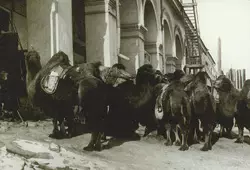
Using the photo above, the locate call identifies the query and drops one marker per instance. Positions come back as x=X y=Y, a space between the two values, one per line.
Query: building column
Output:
x=101 y=31
x=50 y=27
x=132 y=46
x=170 y=63
x=151 y=48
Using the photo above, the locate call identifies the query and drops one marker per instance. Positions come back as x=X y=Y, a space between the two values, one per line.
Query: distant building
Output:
x=209 y=63
x=237 y=76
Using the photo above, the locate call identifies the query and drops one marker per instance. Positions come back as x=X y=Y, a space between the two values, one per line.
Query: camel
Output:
x=58 y=87
x=133 y=102
x=227 y=105
x=243 y=111
x=203 y=108
x=173 y=108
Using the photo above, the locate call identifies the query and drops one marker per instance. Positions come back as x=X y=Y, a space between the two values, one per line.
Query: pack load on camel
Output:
x=49 y=83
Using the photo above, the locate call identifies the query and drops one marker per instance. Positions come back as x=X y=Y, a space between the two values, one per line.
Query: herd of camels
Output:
x=115 y=103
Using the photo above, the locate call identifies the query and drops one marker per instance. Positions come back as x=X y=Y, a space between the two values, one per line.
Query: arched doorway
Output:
x=150 y=36
x=179 y=53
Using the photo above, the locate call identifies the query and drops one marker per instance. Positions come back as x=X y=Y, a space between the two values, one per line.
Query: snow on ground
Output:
x=35 y=150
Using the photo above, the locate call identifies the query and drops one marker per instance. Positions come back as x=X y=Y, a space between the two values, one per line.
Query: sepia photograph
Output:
x=124 y=84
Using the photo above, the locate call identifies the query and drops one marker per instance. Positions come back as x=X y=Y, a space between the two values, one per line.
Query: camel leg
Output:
x=240 y=138
x=71 y=128
x=195 y=140
x=229 y=135
x=55 y=131
x=148 y=130
x=177 y=138
x=168 y=129
x=92 y=142
x=208 y=135
x=104 y=137
x=221 y=130
x=195 y=129
x=71 y=125
x=98 y=144
x=184 y=125
x=62 y=128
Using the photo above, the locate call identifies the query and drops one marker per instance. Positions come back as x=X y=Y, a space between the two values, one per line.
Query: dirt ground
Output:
x=31 y=147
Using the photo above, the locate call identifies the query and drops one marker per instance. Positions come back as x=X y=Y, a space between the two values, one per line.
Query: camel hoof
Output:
x=146 y=133
x=104 y=138
x=184 y=148
x=239 y=141
x=99 y=147
x=168 y=143
x=206 y=148
x=196 y=141
x=178 y=143
x=88 y=148
x=55 y=135
x=107 y=146
x=229 y=136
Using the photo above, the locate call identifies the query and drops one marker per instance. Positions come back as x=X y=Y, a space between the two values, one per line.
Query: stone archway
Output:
x=150 y=36
x=167 y=39
x=179 y=53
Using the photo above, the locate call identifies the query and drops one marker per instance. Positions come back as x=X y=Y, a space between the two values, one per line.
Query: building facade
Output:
x=209 y=63
x=131 y=32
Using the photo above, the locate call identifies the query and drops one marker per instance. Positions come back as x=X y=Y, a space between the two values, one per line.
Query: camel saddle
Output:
x=49 y=82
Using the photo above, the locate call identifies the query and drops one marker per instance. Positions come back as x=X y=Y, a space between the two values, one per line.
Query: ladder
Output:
x=192 y=33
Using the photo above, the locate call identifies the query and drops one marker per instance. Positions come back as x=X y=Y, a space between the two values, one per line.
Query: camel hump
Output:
x=50 y=81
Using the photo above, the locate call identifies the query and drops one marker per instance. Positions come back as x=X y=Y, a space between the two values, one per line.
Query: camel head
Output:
x=160 y=77
x=191 y=81
x=146 y=74
x=176 y=75
x=245 y=92
x=186 y=79
x=59 y=57
x=33 y=65
x=222 y=83
x=32 y=60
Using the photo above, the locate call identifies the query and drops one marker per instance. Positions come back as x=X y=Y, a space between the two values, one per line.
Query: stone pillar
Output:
x=170 y=63
x=132 y=46
x=65 y=32
x=50 y=27
x=101 y=31
x=151 y=48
